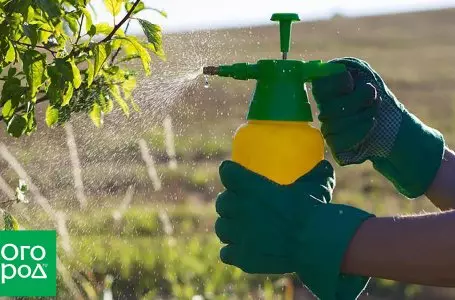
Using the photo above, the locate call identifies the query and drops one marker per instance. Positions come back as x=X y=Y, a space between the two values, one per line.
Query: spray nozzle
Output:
x=242 y=71
x=210 y=70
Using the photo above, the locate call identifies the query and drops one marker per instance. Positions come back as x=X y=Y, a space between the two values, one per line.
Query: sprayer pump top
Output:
x=285 y=20
x=280 y=93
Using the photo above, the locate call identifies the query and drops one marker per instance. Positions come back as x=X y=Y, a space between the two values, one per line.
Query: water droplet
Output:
x=206 y=85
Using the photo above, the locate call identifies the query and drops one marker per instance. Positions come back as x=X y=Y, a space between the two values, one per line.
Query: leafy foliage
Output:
x=50 y=50
x=10 y=222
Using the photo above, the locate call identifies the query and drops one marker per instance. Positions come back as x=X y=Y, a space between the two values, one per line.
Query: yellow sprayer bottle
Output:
x=278 y=140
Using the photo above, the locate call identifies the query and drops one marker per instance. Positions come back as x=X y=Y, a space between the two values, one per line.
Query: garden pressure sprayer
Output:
x=278 y=141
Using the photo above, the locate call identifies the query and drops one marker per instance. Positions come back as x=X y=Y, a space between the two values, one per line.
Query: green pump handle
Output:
x=285 y=20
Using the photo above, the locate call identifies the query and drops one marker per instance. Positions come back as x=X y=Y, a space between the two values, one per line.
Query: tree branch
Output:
x=125 y=18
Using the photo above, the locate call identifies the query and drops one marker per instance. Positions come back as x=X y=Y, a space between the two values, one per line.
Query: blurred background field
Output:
x=147 y=243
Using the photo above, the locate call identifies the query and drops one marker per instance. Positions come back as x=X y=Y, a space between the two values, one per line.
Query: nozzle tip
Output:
x=210 y=70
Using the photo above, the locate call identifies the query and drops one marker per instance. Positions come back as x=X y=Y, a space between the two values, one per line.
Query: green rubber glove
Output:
x=363 y=120
x=275 y=229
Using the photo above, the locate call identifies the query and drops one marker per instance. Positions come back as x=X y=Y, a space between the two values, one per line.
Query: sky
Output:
x=187 y=15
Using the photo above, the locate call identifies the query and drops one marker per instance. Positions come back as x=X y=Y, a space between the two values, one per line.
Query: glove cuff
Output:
x=332 y=228
x=415 y=157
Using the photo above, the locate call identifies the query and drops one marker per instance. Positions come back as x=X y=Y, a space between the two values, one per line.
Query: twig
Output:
x=119 y=48
x=80 y=30
x=36 y=46
x=126 y=17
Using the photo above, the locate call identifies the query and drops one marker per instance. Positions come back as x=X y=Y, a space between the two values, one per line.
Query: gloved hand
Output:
x=275 y=229
x=363 y=120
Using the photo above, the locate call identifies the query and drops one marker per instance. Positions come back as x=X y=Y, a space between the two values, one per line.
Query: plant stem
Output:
x=36 y=46
x=80 y=30
x=78 y=36
x=126 y=17
x=118 y=50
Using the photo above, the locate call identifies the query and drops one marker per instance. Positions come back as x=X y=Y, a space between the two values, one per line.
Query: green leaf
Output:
x=63 y=70
x=30 y=13
x=90 y=72
x=12 y=89
x=55 y=94
x=88 y=19
x=128 y=86
x=11 y=72
x=51 y=115
x=161 y=12
x=31 y=121
x=106 y=104
x=11 y=223
x=135 y=106
x=72 y=23
x=115 y=93
x=154 y=36
x=51 y=7
x=102 y=51
x=33 y=66
x=68 y=94
x=45 y=32
x=137 y=48
x=106 y=29
x=113 y=6
x=95 y=115
x=103 y=28
x=16 y=126
x=10 y=53
x=31 y=31
x=92 y=31
x=76 y=74
x=138 y=8
x=9 y=108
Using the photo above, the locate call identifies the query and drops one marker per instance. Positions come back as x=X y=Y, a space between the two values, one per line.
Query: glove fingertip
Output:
x=229 y=170
x=226 y=164
x=227 y=254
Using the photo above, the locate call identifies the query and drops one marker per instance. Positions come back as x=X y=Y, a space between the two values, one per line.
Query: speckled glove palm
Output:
x=275 y=229
x=363 y=120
